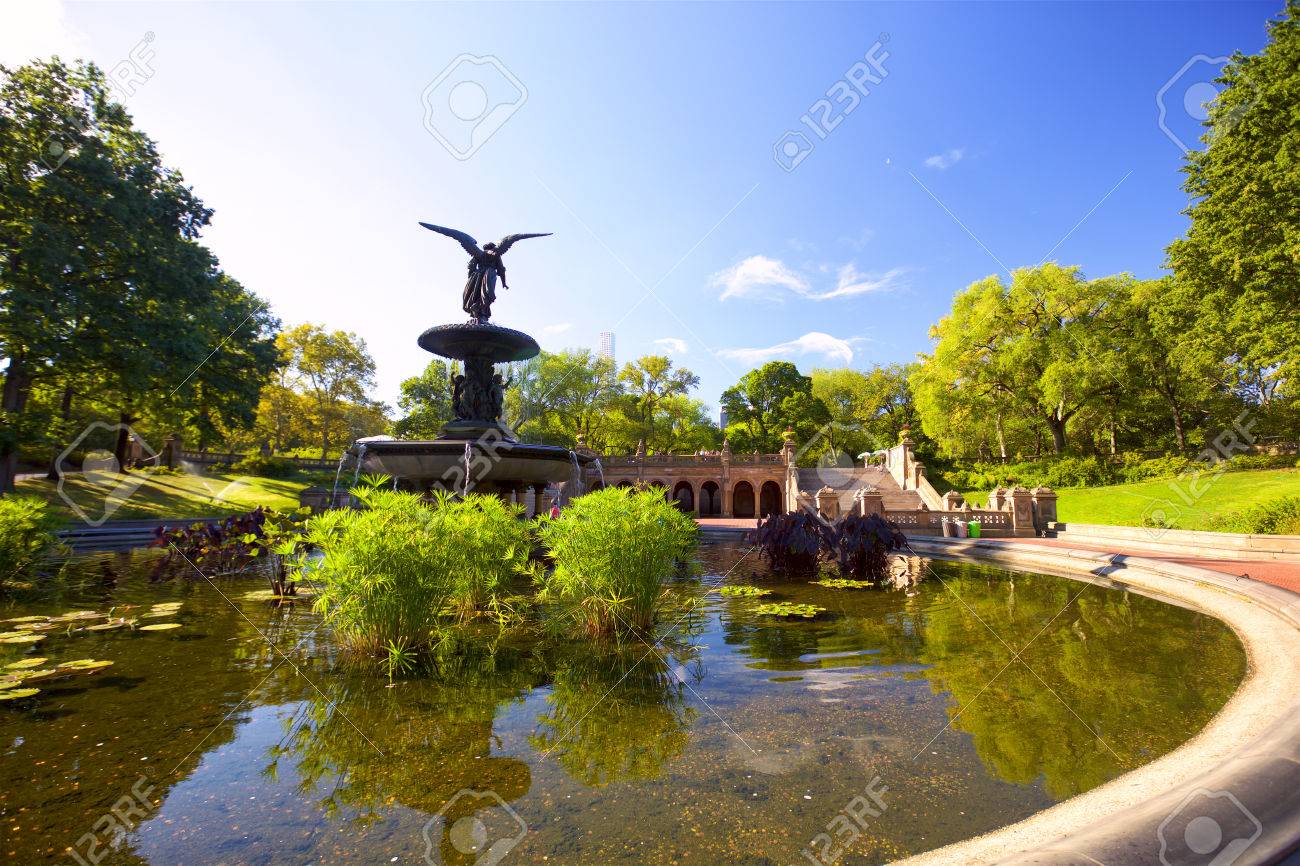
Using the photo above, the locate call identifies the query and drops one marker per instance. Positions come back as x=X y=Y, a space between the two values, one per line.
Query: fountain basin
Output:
x=494 y=464
x=479 y=340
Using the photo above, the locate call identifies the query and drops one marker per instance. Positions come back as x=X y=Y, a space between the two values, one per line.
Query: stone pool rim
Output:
x=1251 y=748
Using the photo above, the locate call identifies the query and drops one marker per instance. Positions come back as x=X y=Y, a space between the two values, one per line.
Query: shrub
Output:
x=266 y=466
x=1279 y=516
x=395 y=569
x=861 y=545
x=797 y=543
x=793 y=542
x=26 y=536
x=612 y=549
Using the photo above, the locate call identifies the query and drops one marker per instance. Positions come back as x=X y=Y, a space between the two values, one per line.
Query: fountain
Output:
x=475 y=451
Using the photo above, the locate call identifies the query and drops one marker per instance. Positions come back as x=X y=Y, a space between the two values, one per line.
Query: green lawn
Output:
x=1127 y=504
x=145 y=495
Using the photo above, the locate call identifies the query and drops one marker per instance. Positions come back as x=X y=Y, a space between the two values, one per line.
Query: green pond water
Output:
x=248 y=738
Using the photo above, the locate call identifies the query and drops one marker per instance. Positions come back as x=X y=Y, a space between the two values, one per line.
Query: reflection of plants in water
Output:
x=615 y=717
x=1122 y=662
x=417 y=743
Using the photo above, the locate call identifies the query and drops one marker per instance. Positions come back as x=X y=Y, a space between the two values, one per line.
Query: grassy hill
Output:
x=147 y=494
x=1127 y=504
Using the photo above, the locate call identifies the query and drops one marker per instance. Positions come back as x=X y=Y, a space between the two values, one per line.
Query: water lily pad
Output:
x=29 y=627
x=160 y=626
x=28 y=619
x=741 y=591
x=23 y=664
x=788 y=609
x=9 y=681
x=28 y=677
x=844 y=583
x=16 y=694
x=23 y=638
x=83 y=666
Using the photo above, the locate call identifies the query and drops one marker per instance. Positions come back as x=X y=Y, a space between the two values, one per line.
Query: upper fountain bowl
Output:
x=479 y=340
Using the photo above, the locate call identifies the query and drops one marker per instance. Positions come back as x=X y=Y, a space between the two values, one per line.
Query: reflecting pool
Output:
x=244 y=736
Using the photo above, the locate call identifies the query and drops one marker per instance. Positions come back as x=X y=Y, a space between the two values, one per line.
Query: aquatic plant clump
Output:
x=392 y=568
x=742 y=591
x=27 y=536
x=844 y=583
x=789 y=609
x=799 y=541
x=612 y=550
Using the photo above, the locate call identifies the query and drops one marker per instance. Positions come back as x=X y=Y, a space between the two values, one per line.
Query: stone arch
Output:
x=684 y=496
x=769 y=499
x=742 y=499
x=664 y=489
x=710 y=499
x=624 y=483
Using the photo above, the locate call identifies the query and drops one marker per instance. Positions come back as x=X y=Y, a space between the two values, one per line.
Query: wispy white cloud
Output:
x=674 y=345
x=766 y=278
x=812 y=343
x=758 y=276
x=556 y=329
x=946 y=160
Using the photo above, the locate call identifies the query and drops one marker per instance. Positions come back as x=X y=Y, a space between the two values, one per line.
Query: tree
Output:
x=1241 y=254
x=1044 y=346
x=651 y=379
x=334 y=370
x=426 y=400
x=102 y=279
x=877 y=401
x=768 y=400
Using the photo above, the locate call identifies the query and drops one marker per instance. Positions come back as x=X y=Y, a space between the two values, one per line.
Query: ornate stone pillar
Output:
x=1022 y=512
x=1044 y=506
x=870 y=501
x=952 y=501
x=539 y=493
x=828 y=503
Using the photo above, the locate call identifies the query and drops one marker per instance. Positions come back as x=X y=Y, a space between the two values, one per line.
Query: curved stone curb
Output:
x=1239 y=777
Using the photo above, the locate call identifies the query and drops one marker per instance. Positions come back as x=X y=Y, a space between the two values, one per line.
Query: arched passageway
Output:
x=769 y=499
x=683 y=496
x=742 y=499
x=710 y=499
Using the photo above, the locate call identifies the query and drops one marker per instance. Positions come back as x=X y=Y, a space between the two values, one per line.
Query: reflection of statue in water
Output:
x=485 y=266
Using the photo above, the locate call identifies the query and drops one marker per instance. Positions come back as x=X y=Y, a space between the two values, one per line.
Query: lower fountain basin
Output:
x=499 y=464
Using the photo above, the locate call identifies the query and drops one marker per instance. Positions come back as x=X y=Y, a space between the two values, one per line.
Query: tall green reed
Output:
x=397 y=570
x=612 y=550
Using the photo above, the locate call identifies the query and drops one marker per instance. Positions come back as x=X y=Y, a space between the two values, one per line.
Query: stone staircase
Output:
x=848 y=481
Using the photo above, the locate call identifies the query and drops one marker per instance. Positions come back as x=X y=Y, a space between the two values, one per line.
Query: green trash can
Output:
x=973 y=529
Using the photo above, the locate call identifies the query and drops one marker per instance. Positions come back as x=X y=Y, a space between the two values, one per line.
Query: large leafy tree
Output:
x=1241 y=254
x=1045 y=346
x=334 y=370
x=768 y=400
x=426 y=402
x=877 y=403
x=651 y=379
x=102 y=279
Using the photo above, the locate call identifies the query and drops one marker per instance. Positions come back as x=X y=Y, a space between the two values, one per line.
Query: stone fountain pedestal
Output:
x=475 y=451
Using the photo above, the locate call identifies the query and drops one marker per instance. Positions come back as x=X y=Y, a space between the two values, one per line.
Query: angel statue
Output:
x=485 y=266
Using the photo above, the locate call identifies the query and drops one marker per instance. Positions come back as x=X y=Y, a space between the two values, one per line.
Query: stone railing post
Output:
x=952 y=501
x=1022 y=512
x=869 y=501
x=828 y=503
x=998 y=500
x=1044 y=506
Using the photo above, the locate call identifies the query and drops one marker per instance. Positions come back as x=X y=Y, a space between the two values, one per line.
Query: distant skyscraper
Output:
x=722 y=419
x=607 y=346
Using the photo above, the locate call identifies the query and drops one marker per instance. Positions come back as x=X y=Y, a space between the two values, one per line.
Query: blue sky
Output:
x=988 y=135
